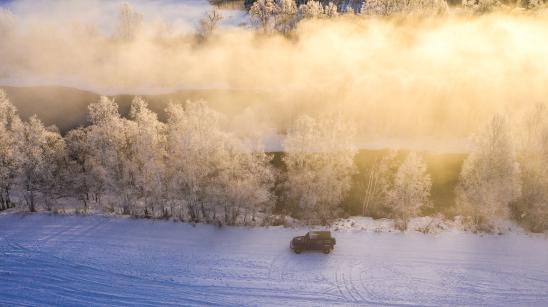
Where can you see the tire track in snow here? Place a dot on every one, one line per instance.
(54, 260)
(100, 278)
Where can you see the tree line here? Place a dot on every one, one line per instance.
(190, 167)
(284, 15)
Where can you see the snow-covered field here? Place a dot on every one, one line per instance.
(94, 260)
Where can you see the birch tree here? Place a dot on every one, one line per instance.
(7, 22)
(148, 155)
(209, 23)
(111, 137)
(40, 151)
(376, 183)
(286, 16)
(311, 9)
(481, 6)
(408, 8)
(331, 10)
(490, 176)
(195, 148)
(85, 181)
(531, 209)
(9, 153)
(210, 168)
(319, 156)
(262, 14)
(411, 190)
(129, 23)
(246, 180)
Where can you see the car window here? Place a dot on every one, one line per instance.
(313, 236)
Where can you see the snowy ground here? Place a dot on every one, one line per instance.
(75, 260)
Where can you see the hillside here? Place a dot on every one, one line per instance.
(67, 107)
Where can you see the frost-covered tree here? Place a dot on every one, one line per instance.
(111, 137)
(208, 24)
(532, 4)
(286, 16)
(148, 155)
(410, 7)
(311, 9)
(531, 209)
(411, 190)
(7, 22)
(193, 141)
(490, 176)
(129, 23)
(31, 140)
(376, 184)
(211, 169)
(9, 153)
(481, 6)
(331, 10)
(41, 152)
(245, 180)
(427, 7)
(55, 173)
(319, 156)
(262, 14)
(84, 181)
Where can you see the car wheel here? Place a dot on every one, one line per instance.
(297, 251)
(326, 251)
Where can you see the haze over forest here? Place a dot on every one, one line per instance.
(407, 140)
(419, 82)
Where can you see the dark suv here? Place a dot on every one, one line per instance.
(314, 240)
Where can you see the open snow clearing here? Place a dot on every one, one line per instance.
(95, 260)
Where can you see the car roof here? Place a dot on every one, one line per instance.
(321, 233)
